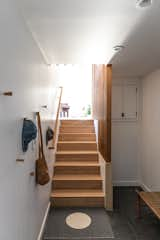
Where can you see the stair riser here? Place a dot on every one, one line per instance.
(77, 126)
(76, 170)
(78, 202)
(76, 137)
(77, 184)
(77, 122)
(76, 157)
(77, 146)
(77, 130)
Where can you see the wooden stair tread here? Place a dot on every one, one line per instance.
(77, 193)
(77, 126)
(77, 155)
(70, 137)
(76, 130)
(76, 152)
(80, 177)
(77, 163)
(76, 146)
(77, 134)
(76, 121)
(76, 142)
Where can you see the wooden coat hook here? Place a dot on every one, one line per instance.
(51, 148)
(32, 174)
(9, 94)
(20, 160)
(45, 106)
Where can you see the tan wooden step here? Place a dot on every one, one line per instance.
(77, 122)
(77, 146)
(77, 181)
(77, 163)
(77, 198)
(93, 168)
(77, 126)
(77, 156)
(77, 137)
(75, 129)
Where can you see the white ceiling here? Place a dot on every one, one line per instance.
(85, 31)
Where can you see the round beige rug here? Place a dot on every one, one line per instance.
(78, 220)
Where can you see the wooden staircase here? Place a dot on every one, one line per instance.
(77, 180)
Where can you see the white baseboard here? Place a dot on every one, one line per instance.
(44, 222)
(144, 187)
(132, 184)
(125, 183)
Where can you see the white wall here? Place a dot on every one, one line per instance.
(125, 143)
(150, 132)
(22, 70)
(136, 144)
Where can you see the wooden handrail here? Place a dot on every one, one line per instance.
(57, 118)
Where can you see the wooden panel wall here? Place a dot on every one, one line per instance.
(102, 95)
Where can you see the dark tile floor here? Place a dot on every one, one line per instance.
(124, 222)
(56, 228)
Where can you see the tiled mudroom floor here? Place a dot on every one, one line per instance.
(122, 224)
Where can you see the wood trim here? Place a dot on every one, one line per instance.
(102, 101)
(57, 119)
(108, 187)
(109, 111)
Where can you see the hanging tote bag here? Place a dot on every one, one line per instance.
(42, 174)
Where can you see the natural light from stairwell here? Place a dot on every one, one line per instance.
(76, 81)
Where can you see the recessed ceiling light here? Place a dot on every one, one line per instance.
(118, 48)
(143, 3)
